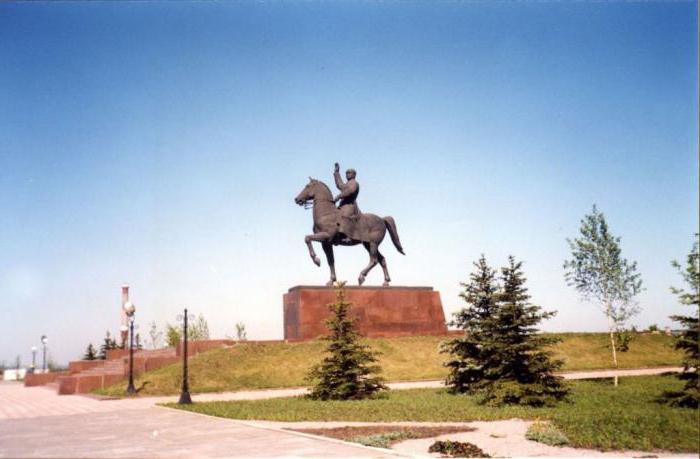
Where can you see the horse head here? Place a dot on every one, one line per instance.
(307, 194)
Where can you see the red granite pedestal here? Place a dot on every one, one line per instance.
(380, 311)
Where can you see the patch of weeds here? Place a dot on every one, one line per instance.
(384, 436)
(450, 448)
(546, 433)
(382, 440)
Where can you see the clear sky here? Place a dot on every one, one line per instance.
(162, 144)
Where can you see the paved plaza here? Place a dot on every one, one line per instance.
(38, 423)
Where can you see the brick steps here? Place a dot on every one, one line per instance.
(98, 374)
(87, 375)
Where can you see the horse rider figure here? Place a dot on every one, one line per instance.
(348, 210)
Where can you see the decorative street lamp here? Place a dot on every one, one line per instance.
(185, 398)
(33, 359)
(129, 310)
(44, 341)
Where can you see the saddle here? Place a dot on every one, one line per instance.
(348, 223)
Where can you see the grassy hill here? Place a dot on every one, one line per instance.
(274, 365)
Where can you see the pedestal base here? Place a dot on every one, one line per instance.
(380, 311)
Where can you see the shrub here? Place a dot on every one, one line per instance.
(623, 338)
(456, 449)
(173, 335)
(382, 440)
(546, 433)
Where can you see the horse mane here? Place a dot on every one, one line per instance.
(325, 186)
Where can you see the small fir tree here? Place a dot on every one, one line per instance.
(524, 371)
(349, 372)
(90, 353)
(472, 355)
(107, 345)
(601, 275)
(687, 341)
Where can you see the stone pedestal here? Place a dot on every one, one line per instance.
(380, 311)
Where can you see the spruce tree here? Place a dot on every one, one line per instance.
(473, 357)
(90, 353)
(525, 367)
(688, 339)
(349, 372)
(501, 358)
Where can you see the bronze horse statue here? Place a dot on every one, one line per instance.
(367, 229)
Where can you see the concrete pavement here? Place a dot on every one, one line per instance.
(36, 422)
(160, 432)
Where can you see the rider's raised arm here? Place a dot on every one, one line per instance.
(338, 180)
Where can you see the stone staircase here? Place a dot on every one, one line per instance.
(88, 375)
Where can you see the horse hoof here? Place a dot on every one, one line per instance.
(317, 261)
(385, 284)
(330, 283)
(361, 280)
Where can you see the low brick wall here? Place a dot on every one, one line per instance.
(108, 380)
(81, 365)
(82, 384)
(67, 385)
(40, 379)
(153, 363)
(117, 353)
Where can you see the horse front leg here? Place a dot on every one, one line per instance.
(318, 237)
(328, 249)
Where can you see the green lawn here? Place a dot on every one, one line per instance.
(274, 365)
(598, 415)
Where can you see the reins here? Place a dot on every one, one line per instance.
(309, 203)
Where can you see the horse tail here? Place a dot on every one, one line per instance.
(391, 226)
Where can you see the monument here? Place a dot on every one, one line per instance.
(381, 311)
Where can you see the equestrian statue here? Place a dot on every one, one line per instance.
(345, 224)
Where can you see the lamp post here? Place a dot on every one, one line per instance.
(130, 309)
(185, 398)
(44, 341)
(33, 359)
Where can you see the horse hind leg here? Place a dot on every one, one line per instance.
(372, 249)
(382, 262)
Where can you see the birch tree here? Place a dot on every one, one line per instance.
(601, 275)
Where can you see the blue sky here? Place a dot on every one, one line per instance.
(161, 144)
